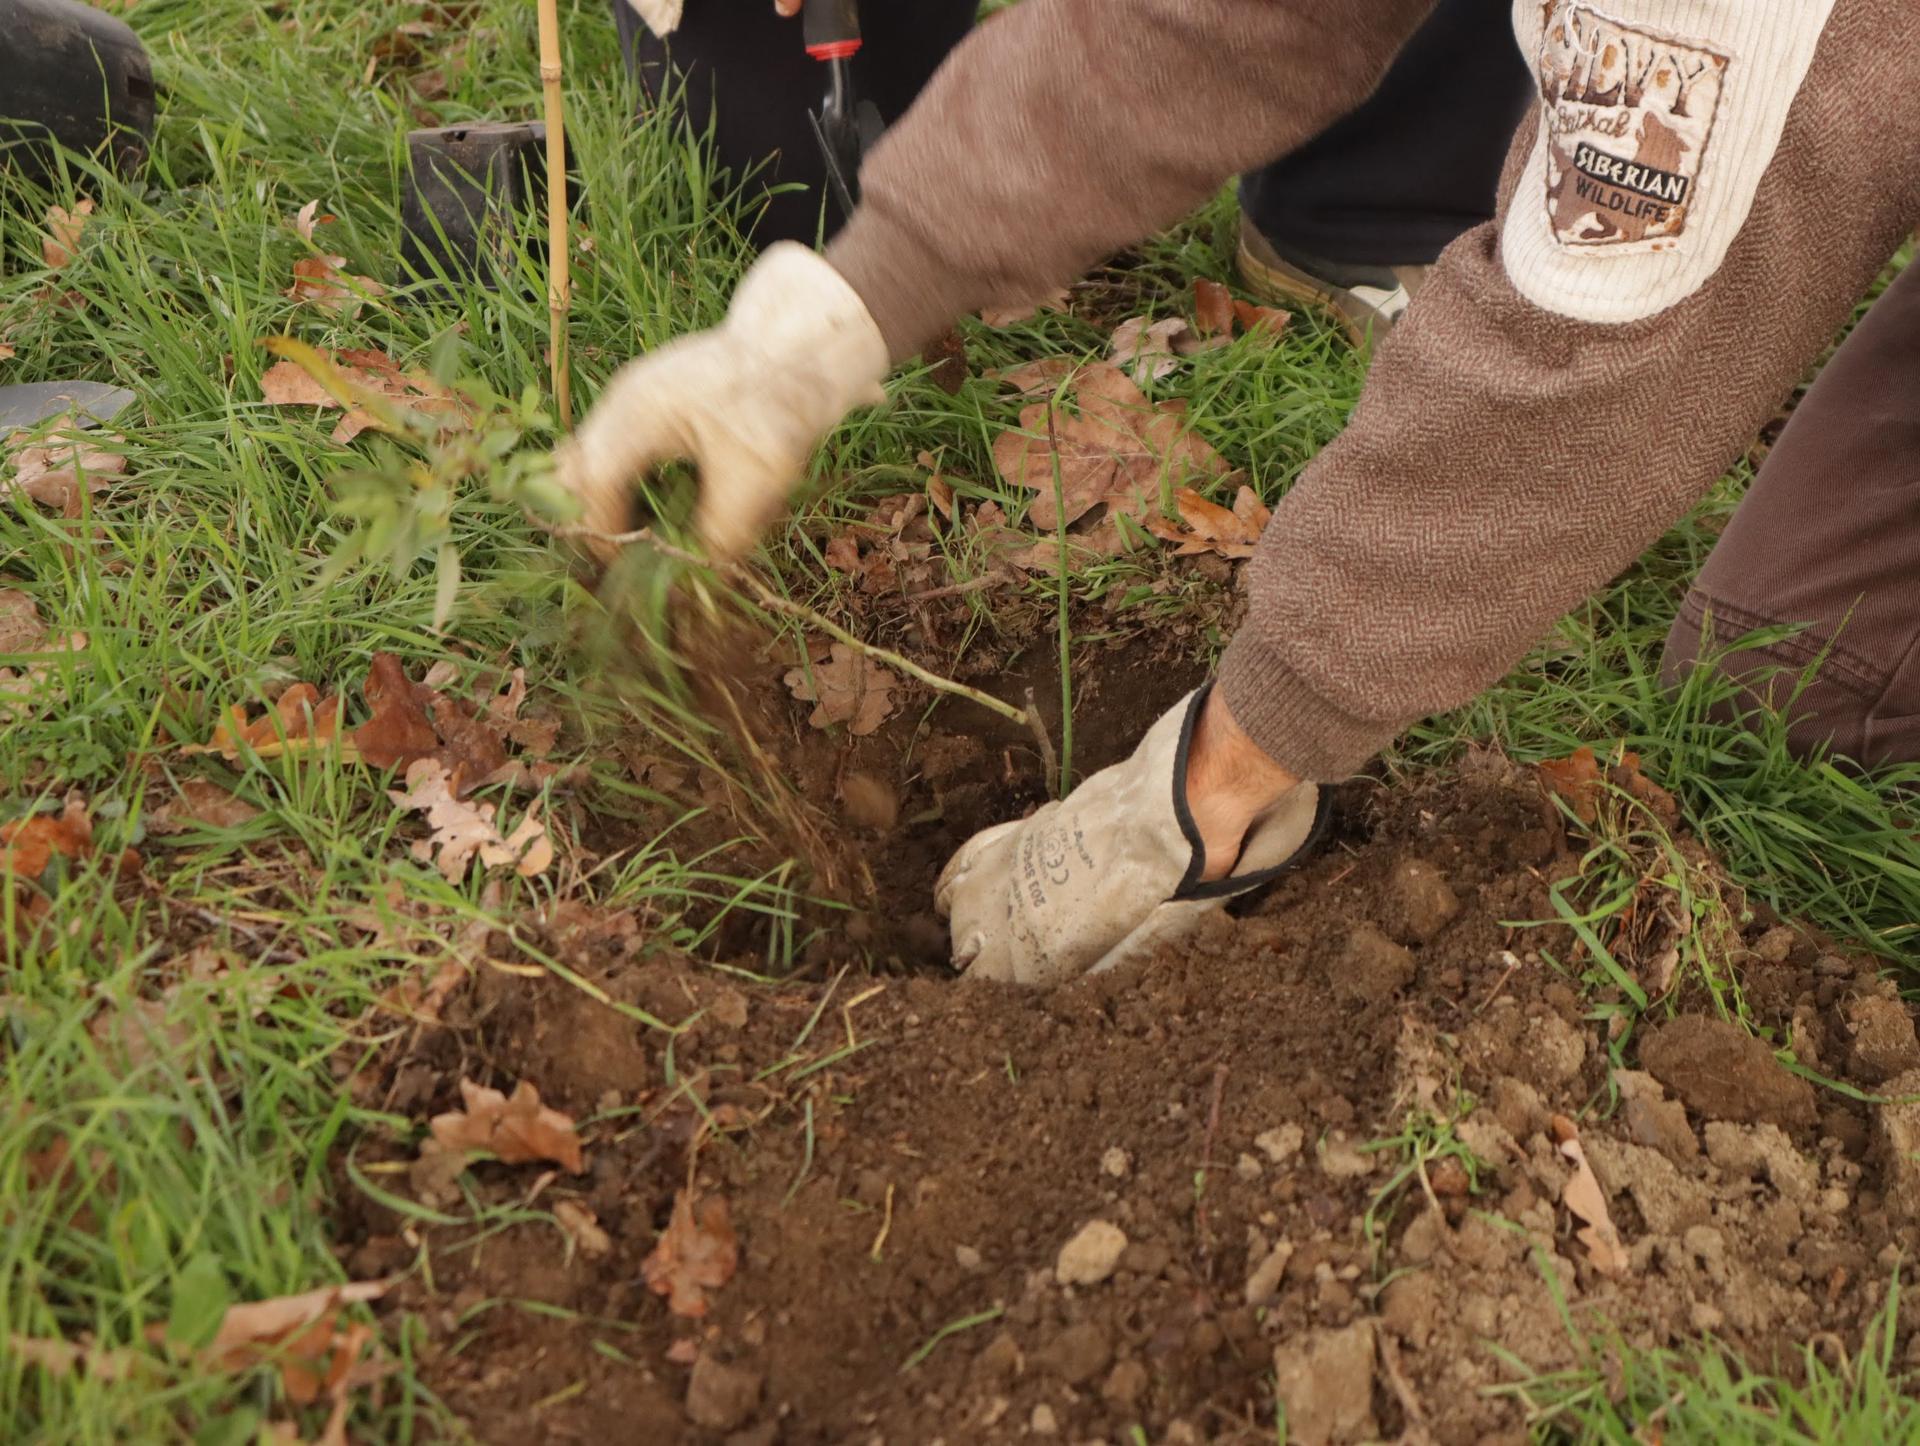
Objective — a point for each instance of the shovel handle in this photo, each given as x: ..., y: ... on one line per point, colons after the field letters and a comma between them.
x: 832, y: 28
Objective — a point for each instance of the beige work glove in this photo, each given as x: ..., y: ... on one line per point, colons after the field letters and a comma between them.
x: 1110, y: 872
x: 746, y: 403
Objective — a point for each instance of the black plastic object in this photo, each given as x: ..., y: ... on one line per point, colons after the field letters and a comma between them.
x: 831, y: 28
x: 471, y: 191
x: 75, y: 77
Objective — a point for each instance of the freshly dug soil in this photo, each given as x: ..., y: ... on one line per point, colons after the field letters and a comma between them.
x: 971, y: 1213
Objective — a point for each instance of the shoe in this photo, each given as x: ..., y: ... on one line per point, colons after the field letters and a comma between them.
x: 1367, y: 300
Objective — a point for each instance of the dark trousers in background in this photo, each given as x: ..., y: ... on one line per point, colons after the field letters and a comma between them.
x: 1390, y: 184
x: 1828, y: 538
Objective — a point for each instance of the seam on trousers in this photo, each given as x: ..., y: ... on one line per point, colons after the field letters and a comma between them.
x: 1842, y: 665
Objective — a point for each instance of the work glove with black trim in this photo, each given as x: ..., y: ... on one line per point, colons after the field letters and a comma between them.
x: 1112, y: 871
x: 746, y: 403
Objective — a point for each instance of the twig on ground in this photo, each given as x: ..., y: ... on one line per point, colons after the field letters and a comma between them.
x: 1206, y: 1153
x: 559, y: 280
x: 1416, y: 1432
x: 786, y: 607
x: 1049, y: 761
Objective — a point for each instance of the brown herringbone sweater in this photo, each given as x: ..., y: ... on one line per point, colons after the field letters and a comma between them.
x: 1504, y: 459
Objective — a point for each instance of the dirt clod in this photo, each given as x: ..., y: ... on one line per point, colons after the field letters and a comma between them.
x: 1325, y: 1381
x: 1896, y: 1141
x: 1883, y: 1038
x: 1077, y: 1354
x: 1371, y: 968
x: 1092, y: 1254
x: 721, y: 1397
x: 1723, y: 1073
x: 1417, y: 902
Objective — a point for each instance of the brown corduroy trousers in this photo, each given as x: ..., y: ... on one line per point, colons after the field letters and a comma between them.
x: 1828, y: 539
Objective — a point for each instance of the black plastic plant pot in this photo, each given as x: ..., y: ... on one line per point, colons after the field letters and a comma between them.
x: 472, y: 191
x: 73, y: 78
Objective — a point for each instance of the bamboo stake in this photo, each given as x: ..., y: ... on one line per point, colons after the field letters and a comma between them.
x: 559, y: 279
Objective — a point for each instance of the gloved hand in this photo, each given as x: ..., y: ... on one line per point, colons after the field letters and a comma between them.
x: 746, y: 402
x: 1109, y: 872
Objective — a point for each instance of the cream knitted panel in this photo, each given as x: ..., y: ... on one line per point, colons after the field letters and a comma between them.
x: 1658, y: 118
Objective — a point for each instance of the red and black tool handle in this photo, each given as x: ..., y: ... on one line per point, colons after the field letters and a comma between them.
x: 832, y: 28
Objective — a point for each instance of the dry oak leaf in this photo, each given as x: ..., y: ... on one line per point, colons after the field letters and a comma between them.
x: 28, y: 845
x: 63, y: 1358
x: 1212, y: 308
x: 1263, y: 321
x: 515, y: 1130
x: 1575, y: 778
x: 1588, y: 1202
x: 299, y: 1335
x: 1150, y: 350
x: 999, y: 316
x: 399, y: 733
x: 25, y: 686
x: 696, y: 1253
x: 64, y: 228
x: 849, y: 687
x: 300, y: 721
x: 582, y: 1228
x: 464, y: 831
x: 57, y: 471
x: 371, y: 374
x: 199, y: 803
x: 1626, y: 775
x: 1231, y: 532
x: 322, y: 279
x: 1118, y: 450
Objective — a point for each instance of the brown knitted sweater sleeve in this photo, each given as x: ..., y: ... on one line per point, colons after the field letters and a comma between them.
x: 1062, y: 130
x: 1505, y: 460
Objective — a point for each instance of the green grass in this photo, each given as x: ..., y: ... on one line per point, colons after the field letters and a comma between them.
x: 204, y: 1114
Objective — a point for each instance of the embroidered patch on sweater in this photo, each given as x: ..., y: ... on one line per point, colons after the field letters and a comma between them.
x: 1628, y: 116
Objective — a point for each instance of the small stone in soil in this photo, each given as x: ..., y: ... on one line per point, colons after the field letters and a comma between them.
x: 1116, y: 1162
x: 1247, y: 1167
x: 966, y: 1257
x: 1281, y: 1143
x: 1417, y: 901
x: 1661, y: 1125
x: 1326, y: 1383
x: 1263, y: 1286
x: 1125, y: 1384
x: 1043, y: 1421
x: 1341, y: 1159
x: 719, y: 1396
x: 1724, y: 1073
x: 1091, y: 1255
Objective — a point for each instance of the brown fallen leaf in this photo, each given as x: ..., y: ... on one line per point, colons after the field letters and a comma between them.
x: 199, y: 803
x: 323, y: 280
x: 300, y: 721
x: 1149, y: 350
x: 582, y: 1228
x: 1626, y: 775
x: 39, y: 682
x: 57, y: 248
x: 516, y: 1130
x: 999, y: 316
x: 300, y: 1335
x: 399, y: 733
x: 1231, y: 532
x: 1212, y: 308
x: 65, y: 1358
x: 1264, y: 321
x: 464, y: 831
x: 372, y: 376
x: 6, y: 351
x: 1588, y: 1202
x: 696, y: 1253
x: 848, y: 687
x: 21, y: 630
x: 57, y: 471
x: 28, y: 845
x: 1576, y: 779
x: 1116, y: 451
